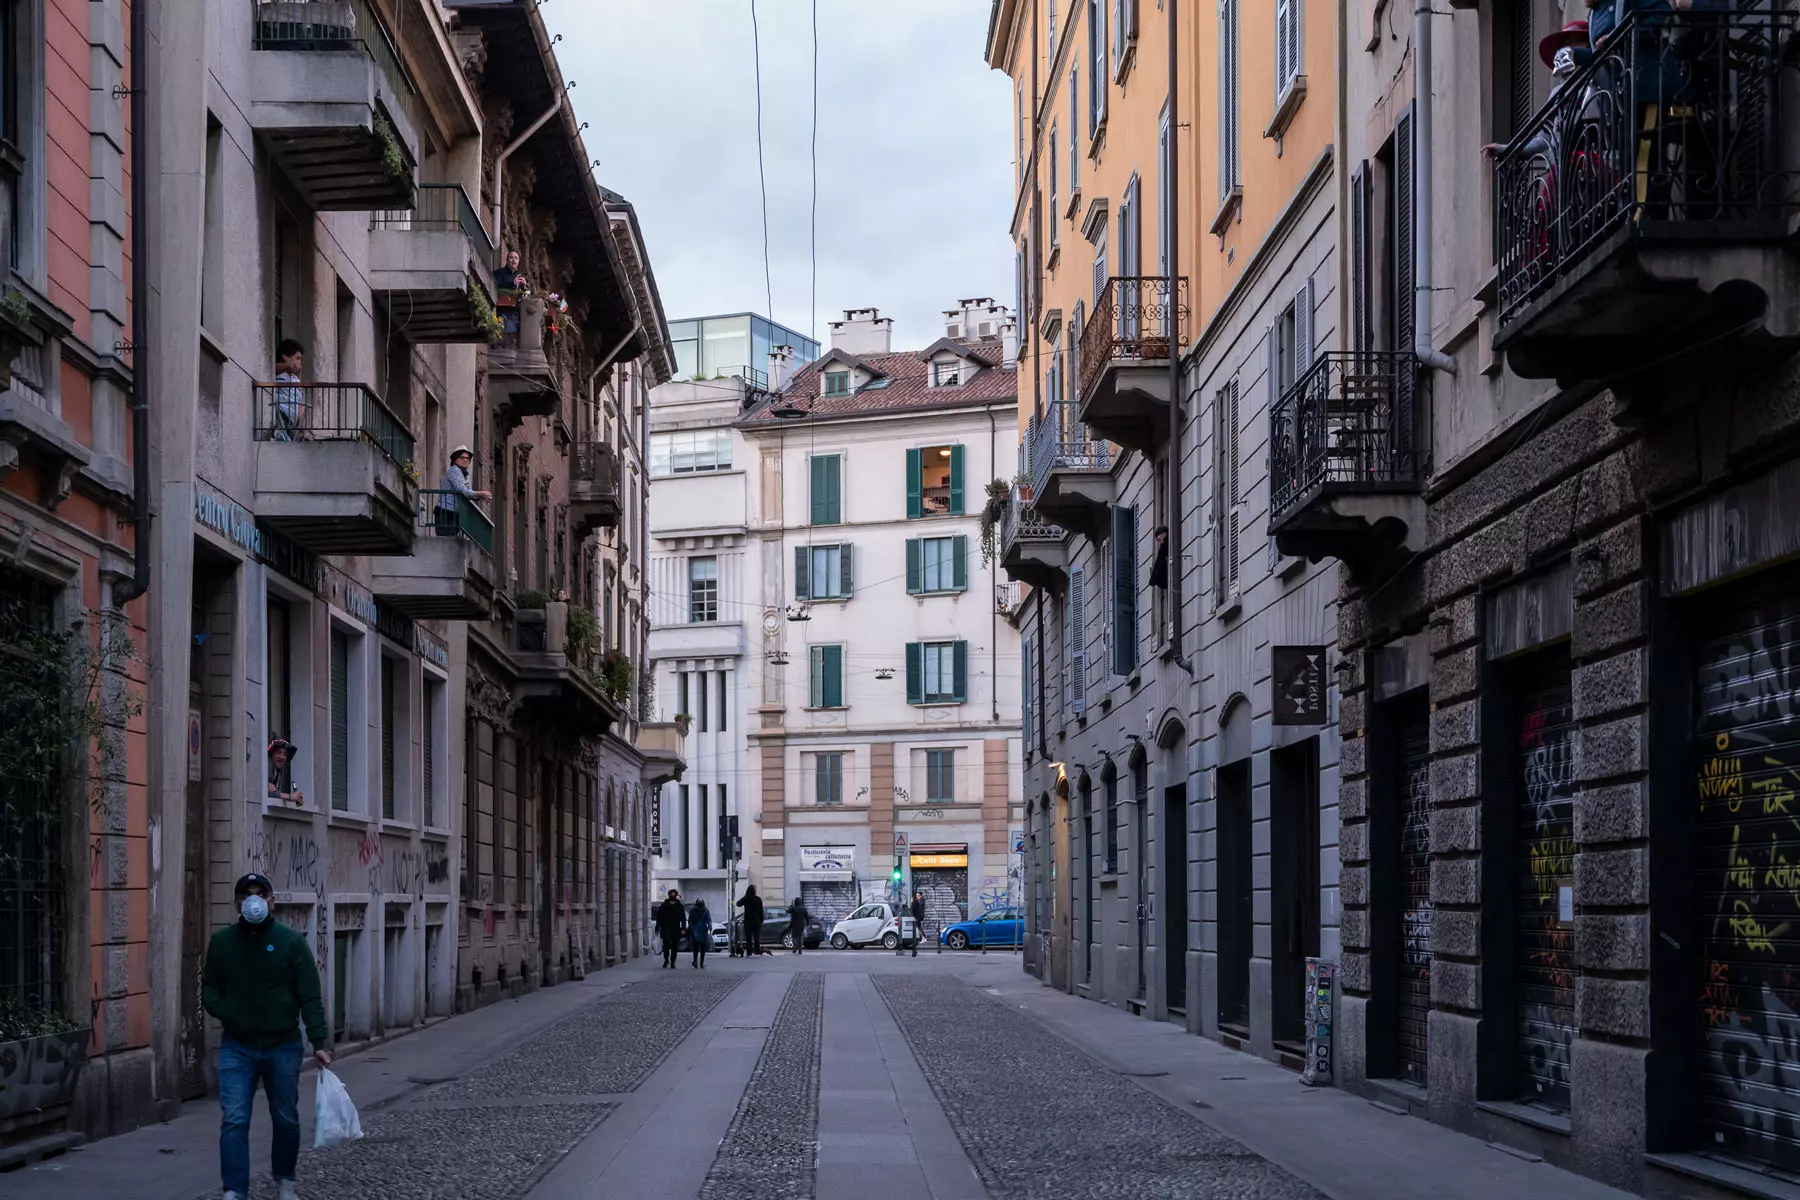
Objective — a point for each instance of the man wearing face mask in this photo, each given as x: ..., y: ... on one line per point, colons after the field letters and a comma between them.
x: 260, y: 982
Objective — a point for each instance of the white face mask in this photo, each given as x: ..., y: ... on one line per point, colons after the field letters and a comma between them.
x: 255, y: 909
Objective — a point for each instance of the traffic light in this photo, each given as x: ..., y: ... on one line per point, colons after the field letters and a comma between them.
x: 899, y: 876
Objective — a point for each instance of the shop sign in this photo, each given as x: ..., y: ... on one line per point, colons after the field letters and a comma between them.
x: 939, y: 860
x: 837, y: 862
x: 1299, y: 685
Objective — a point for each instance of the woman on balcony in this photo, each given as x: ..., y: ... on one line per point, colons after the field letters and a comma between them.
x: 458, y: 489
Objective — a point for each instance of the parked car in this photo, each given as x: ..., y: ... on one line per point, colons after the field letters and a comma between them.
x: 776, y: 932
x: 995, y: 927
x: 873, y: 922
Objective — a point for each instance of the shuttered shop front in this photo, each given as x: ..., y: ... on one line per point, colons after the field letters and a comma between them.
x: 1544, y: 970
x: 1414, y: 992
x: 1746, y: 754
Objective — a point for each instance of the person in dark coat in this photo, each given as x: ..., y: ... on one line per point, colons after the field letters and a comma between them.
x: 699, y: 933
x: 918, y: 916
x: 671, y: 919
x: 797, y: 915
x: 752, y: 905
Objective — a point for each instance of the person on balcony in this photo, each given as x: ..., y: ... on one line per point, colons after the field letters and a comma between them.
x: 290, y: 396
x: 457, y: 489
x: 509, y: 284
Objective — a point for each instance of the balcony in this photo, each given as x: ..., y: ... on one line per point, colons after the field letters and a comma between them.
x: 1031, y: 548
x: 563, y: 681
x: 449, y: 575
x: 1124, y: 357
x: 1347, y: 446
x: 334, y: 468
x: 332, y: 103
x: 661, y: 744
x: 593, y: 489
x: 1071, y: 470
x: 524, y: 366
x: 1641, y: 215
x: 430, y: 266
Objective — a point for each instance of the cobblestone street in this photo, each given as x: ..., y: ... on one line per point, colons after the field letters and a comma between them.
x: 838, y: 1075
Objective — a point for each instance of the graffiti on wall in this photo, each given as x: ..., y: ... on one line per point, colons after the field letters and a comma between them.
x: 40, y: 1072
x: 289, y: 857
x: 1546, y: 899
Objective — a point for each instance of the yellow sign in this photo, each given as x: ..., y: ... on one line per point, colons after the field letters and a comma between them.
x: 939, y: 860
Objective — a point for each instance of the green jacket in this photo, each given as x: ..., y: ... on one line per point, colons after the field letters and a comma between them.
x: 259, y: 982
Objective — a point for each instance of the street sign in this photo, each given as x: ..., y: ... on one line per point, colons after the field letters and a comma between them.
x: 1299, y: 685
x: 900, y: 842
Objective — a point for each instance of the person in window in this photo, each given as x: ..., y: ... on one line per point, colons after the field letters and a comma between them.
x: 290, y: 396
x: 281, y: 754
x: 457, y: 489
x: 1159, y: 564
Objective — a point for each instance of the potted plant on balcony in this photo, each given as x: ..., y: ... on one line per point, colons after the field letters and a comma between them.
x: 18, y: 330
x: 999, y: 491
x: 615, y: 676
x: 683, y: 723
x: 486, y: 318
x: 532, y: 599
x: 393, y: 154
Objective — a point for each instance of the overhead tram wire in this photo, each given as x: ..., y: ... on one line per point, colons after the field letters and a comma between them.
x: 762, y: 178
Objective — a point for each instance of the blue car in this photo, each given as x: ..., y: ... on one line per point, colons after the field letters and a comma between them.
x: 995, y: 927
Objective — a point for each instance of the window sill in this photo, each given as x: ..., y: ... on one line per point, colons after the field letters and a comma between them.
x: 283, y: 808
x: 1288, y: 566
x: 1127, y: 57
x: 825, y: 708
x: 1708, y: 1169
x: 1054, y: 257
x: 345, y: 817
x: 814, y: 600
x: 1233, y: 605
x: 1097, y: 139
x: 1286, y: 108
x: 939, y: 592
x: 936, y: 703
x: 1525, y: 1114
x: 213, y: 346
x: 1229, y: 210
x: 1074, y: 205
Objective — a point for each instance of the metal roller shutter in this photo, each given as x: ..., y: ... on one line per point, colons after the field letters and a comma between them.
x: 1544, y: 974
x: 828, y: 901
x: 946, y: 894
x: 1747, y: 895
x: 1415, y: 896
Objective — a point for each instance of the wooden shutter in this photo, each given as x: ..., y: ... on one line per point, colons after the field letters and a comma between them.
x: 915, y: 473
x: 915, y: 673
x: 1094, y: 24
x: 822, y: 488
x: 956, y: 479
x: 1124, y: 585
x: 340, y: 720
x: 1026, y: 707
x: 1303, y: 330
x: 1284, y: 63
x: 1359, y: 258
x: 1235, y: 453
x: 1403, y: 232
x: 834, y: 676
x: 846, y: 582
x: 1076, y: 654
x: 960, y: 660
x: 959, y: 556
x: 915, y: 566
x: 1100, y: 81
x: 1074, y: 125
x: 1521, y: 54
x: 1272, y: 348
x: 803, y: 571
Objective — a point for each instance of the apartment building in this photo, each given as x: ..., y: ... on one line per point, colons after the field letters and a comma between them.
x: 883, y: 722
x: 1178, y: 281
x: 700, y: 607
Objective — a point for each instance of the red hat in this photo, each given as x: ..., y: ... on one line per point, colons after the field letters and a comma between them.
x: 1575, y: 33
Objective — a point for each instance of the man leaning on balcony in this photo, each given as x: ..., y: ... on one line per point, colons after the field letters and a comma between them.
x: 290, y: 396
x: 458, y: 489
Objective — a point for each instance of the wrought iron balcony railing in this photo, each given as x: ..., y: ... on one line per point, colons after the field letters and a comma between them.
x: 1353, y: 423
x: 1131, y: 324
x: 441, y: 207
x: 452, y: 514
x: 1020, y: 522
x: 1672, y: 131
x: 1059, y: 441
x: 331, y: 412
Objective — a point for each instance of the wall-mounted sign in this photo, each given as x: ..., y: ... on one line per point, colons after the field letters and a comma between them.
x: 939, y: 860
x: 833, y: 862
x: 1299, y: 685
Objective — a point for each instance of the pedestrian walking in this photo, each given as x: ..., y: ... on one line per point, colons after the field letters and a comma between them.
x: 797, y: 924
x: 918, y: 916
x: 752, y: 905
x: 259, y: 980
x: 671, y: 919
x: 700, y: 933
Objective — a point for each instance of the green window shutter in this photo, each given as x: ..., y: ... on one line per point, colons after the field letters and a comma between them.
x: 802, y: 570
x: 834, y: 676
x: 915, y: 567
x: 834, y: 488
x: 915, y: 673
x: 1124, y: 582
x: 962, y: 671
x: 959, y: 554
x: 848, y: 582
x: 956, y: 479
x: 827, y: 498
x: 340, y: 720
x: 915, y: 477
x: 815, y: 677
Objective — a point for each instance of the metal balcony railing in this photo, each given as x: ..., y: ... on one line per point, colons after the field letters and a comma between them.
x: 595, y: 473
x: 1059, y: 441
x: 331, y: 412
x: 1131, y: 324
x: 441, y: 207
x: 1672, y: 131
x: 1020, y: 522
x: 1351, y: 424
x: 335, y: 27
x: 452, y: 514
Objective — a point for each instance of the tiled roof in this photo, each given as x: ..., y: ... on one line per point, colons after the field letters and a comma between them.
x: 908, y: 386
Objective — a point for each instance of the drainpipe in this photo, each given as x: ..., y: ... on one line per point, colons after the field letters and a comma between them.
x: 1174, y: 219
x: 140, y: 313
x: 994, y: 581
x: 500, y: 161
x: 606, y: 361
x: 1422, y: 147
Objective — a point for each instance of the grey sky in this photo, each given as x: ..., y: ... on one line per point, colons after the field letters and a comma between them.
x: 915, y: 168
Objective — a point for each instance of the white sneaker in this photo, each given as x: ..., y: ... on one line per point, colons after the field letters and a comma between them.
x: 284, y: 1190
x: 232, y: 1196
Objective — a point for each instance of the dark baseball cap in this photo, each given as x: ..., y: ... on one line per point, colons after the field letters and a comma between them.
x: 245, y: 882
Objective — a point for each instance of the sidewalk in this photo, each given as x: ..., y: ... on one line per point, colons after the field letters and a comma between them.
x: 1338, y: 1142
x: 180, y: 1160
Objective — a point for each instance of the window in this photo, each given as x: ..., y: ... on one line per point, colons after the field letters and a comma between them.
x: 1097, y: 73
x: 1050, y: 36
x: 681, y: 691
x: 837, y: 383
x: 1123, y: 609
x: 435, y: 714
x: 1112, y: 822
x: 685, y: 335
x: 1028, y: 696
x: 689, y: 451
x: 828, y: 778
x: 1074, y: 124
x: 947, y: 373
x: 827, y: 489
x: 937, y: 672
x: 1165, y: 180
x: 280, y: 673
x: 937, y: 565
x: 940, y: 776
x: 1099, y: 265
x: 822, y: 572
x: 703, y: 589
x: 1055, y: 170
x: 1290, y: 343
x: 723, y: 705
x: 1288, y: 45
x: 1230, y: 153
x: 212, y: 246
x: 1362, y: 325
x: 1226, y: 515
x: 934, y: 481
x: 825, y: 677
x: 1075, y: 643
x: 390, y: 737
x: 1019, y: 131
x: 1124, y: 33
x: 340, y: 720
x: 699, y: 713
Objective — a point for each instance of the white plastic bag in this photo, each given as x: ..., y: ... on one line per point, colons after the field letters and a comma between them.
x: 334, y: 1117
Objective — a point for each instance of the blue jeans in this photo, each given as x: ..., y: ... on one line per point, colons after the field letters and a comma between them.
x: 240, y: 1069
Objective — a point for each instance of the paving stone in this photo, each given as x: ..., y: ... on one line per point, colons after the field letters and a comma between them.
x: 770, y: 1151
x: 1086, y: 1134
